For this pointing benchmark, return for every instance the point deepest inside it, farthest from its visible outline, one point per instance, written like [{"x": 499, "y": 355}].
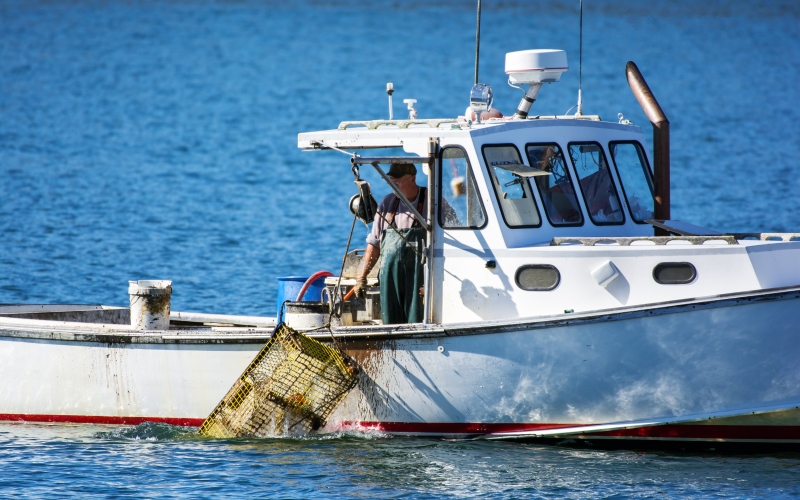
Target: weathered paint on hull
[{"x": 118, "y": 383}]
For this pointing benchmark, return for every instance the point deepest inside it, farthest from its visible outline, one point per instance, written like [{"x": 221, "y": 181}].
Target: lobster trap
[{"x": 290, "y": 388}]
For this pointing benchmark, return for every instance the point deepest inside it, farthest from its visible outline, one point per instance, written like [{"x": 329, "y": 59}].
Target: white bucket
[
  {"x": 150, "y": 304},
  {"x": 303, "y": 316}
]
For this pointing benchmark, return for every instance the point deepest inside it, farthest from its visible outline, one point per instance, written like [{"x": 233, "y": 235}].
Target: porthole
[
  {"x": 537, "y": 277},
  {"x": 674, "y": 273}
]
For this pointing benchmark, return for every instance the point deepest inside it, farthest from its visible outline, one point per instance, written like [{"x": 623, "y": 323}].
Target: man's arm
[{"x": 370, "y": 257}]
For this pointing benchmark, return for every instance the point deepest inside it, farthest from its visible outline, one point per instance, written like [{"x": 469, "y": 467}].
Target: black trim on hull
[{"x": 669, "y": 445}]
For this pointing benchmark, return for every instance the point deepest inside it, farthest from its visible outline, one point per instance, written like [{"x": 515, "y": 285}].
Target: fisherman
[{"x": 399, "y": 247}]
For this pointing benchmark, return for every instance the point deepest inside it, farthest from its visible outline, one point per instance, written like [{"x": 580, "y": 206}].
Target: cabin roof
[{"x": 414, "y": 134}]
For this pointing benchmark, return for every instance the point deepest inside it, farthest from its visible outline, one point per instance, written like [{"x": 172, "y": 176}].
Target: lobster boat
[{"x": 561, "y": 303}]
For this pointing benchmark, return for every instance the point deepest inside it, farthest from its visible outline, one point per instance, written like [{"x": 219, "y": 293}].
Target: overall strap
[
  {"x": 396, "y": 204},
  {"x": 393, "y": 211},
  {"x": 420, "y": 204},
  {"x": 421, "y": 201}
]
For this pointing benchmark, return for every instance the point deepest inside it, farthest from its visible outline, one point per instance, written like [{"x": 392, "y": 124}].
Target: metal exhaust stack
[{"x": 660, "y": 123}]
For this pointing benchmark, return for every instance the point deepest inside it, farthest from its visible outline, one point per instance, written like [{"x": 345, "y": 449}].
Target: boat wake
[{"x": 151, "y": 431}]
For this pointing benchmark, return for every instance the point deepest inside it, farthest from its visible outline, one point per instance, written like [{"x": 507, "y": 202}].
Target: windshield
[
  {"x": 596, "y": 184},
  {"x": 513, "y": 192},
  {"x": 634, "y": 173},
  {"x": 556, "y": 190}
]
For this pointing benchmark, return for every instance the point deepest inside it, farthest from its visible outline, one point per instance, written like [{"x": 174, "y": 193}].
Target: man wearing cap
[{"x": 401, "y": 274}]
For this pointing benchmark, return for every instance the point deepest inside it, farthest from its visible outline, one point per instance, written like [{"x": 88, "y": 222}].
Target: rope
[{"x": 339, "y": 282}]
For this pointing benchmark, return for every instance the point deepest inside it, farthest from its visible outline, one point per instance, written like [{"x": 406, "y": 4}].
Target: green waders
[{"x": 401, "y": 276}]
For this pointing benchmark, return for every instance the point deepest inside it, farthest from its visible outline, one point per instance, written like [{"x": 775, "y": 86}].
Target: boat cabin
[{"x": 539, "y": 215}]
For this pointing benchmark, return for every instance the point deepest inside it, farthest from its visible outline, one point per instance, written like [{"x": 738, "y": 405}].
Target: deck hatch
[
  {"x": 674, "y": 273},
  {"x": 537, "y": 277}
]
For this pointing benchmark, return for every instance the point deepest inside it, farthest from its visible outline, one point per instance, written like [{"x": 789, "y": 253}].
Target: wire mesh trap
[{"x": 290, "y": 388}]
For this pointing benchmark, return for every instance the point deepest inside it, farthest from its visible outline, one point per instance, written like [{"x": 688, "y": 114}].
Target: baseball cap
[{"x": 400, "y": 169}]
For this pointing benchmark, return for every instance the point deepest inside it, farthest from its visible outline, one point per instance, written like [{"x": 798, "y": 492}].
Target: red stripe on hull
[
  {"x": 668, "y": 432},
  {"x": 662, "y": 432},
  {"x": 106, "y": 420}
]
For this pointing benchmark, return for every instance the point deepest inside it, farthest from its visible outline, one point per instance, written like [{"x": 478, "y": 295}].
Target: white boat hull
[
  {"x": 115, "y": 383},
  {"x": 697, "y": 364},
  {"x": 721, "y": 369}
]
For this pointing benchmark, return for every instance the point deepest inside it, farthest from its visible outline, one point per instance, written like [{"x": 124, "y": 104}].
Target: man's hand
[{"x": 360, "y": 290}]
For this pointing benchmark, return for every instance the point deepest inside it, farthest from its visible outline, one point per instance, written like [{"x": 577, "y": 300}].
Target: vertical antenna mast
[
  {"x": 389, "y": 92},
  {"x": 478, "y": 41},
  {"x": 580, "y": 65}
]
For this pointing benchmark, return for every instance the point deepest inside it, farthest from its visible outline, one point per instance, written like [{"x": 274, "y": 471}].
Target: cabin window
[
  {"x": 460, "y": 206},
  {"x": 674, "y": 273},
  {"x": 596, "y": 183},
  {"x": 556, "y": 190},
  {"x": 514, "y": 194},
  {"x": 537, "y": 277},
  {"x": 634, "y": 174}
]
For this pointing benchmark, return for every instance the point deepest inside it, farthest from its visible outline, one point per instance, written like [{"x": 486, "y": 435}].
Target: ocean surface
[{"x": 158, "y": 140}]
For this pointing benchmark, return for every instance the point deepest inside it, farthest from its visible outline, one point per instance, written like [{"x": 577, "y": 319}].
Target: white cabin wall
[
  {"x": 462, "y": 254},
  {"x": 483, "y": 294}
]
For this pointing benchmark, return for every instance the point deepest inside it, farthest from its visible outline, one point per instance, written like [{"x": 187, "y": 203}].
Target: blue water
[
  {"x": 158, "y": 140},
  {"x": 155, "y": 460}
]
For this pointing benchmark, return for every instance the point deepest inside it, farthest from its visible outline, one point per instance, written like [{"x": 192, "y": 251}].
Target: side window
[
  {"x": 513, "y": 191},
  {"x": 460, "y": 205},
  {"x": 556, "y": 190},
  {"x": 596, "y": 183},
  {"x": 634, "y": 173}
]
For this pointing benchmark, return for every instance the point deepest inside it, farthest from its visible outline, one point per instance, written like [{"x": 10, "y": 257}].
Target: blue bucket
[{"x": 289, "y": 287}]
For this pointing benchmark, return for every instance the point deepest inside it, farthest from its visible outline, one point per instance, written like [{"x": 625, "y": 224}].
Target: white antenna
[
  {"x": 478, "y": 41},
  {"x": 412, "y": 113},
  {"x": 389, "y": 92},
  {"x": 579, "y": 112}
]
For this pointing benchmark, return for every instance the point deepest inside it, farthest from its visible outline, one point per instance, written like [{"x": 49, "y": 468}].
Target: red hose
[{"x": 314, "y": 277}]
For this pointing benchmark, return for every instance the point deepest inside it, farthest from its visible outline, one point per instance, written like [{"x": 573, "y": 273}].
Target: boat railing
[
  {"x": 767, "y": 236},
  {"x": 375, "y": 124},
  {"x": 454, "y": 122},
  {"x": 646, "y": 240}
]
